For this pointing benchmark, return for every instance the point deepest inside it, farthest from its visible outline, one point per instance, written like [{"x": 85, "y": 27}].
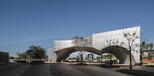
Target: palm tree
[
  {"x": 147, "y": 47},
  {"x": 142, "y": 49},
  {"x": 151, "y": 46}
]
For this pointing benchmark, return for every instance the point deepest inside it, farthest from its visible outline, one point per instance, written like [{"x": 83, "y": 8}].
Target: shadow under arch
[
  {"x": 64, "y": 53},
  {"x": 120, "y": 52}
]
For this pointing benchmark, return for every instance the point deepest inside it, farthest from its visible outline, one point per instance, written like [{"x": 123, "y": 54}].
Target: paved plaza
[
  {"x": 56, "y": 69},
  {"x": 60, "y": 69}
]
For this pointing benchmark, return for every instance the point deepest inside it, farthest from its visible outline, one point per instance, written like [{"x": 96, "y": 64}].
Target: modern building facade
[{"x": 98, "y": 43}]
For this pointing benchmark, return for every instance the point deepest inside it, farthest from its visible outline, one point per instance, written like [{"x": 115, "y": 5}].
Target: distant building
[
  {"x": 4, "y": 58},
  {"x": 148, "y": 52}
]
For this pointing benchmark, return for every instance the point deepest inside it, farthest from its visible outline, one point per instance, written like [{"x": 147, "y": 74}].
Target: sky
[{"x": 38, "y": 22}]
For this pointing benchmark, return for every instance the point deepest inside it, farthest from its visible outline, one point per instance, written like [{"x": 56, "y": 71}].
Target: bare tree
[
  {"x": 112, "y": 42},
  {"x": 131, "y": 37},
  {"x": 80, "y": 43}
]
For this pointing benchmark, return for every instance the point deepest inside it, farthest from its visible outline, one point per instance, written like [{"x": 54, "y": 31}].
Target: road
[{"x": 56, "y": 70}]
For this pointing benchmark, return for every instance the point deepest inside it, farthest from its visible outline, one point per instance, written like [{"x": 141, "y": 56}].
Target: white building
[{"x": 99, "y": 41}]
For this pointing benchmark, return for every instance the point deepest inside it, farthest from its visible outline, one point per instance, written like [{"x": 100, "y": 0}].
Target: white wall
[
  {"x": 99, "y": 40},
  {"x": 61, "y": 44},
  {"x": 52, "y": 55}
]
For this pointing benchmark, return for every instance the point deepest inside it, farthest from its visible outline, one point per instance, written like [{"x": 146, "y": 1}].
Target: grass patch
[{"x": 136, "y": 72}]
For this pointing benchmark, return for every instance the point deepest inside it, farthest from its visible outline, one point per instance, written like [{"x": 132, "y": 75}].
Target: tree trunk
[
  {"x": 110, "y": 60},
  {"x": 141, "y": 60},
  {"x": 150, "y": 62},
  {"x": 101, "y": 58},
  {"x": 130, "y": 57},
  {"x": 81, "y": 58},
  {"x": 141, "y": 57}
]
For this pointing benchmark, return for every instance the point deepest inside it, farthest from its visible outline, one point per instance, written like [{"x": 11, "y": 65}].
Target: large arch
[
  {"x": 120, "y": 52},
  {"x": 64, "y": 53}
]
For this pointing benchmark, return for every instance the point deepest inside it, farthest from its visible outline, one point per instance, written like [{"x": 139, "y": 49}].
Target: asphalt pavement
[{"x": 57, "y": 69}]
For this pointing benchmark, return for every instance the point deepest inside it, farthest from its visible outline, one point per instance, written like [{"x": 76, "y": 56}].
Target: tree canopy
[
  {"x": 22, "y": 55},
  {"x": 36, "y": 52}
]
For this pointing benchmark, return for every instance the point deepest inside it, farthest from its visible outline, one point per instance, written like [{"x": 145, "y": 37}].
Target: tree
[
  {"x": 131, "y": 37},
  {"x": 80, "y": 43},
  {"x": 22, "y": 55},
  {"x": 36, "y": 52},
  {"x": 149, "y": 55},
  {"x": 147, "y": 47},
  {"x": 109, "y": 42},
  {"x": 142, "y": 49},
  {"x": 112, "y": 42},
  {"x": 98, "y": 58},
  {"x": 151, "y": 46}
]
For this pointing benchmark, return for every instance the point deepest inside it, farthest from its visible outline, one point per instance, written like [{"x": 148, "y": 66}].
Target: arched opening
[
  {"x": 62, "y": 54},
  {"x": 88, "y": 57},
  {"x": 108, "y": 57},
  {"x": 119, "y": 52}
]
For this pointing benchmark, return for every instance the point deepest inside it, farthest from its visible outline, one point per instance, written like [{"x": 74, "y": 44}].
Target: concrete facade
[{"x": 99, "y": 41}]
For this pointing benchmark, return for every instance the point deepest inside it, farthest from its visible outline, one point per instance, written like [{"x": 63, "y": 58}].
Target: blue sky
[{"x": 39, "y": 22}]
